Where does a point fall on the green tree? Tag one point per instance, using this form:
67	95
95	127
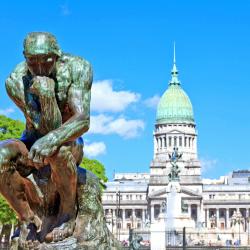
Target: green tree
9	128
96	168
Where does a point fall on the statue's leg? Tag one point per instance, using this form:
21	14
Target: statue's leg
18	190
64	177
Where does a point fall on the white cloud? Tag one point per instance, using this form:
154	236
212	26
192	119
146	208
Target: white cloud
152	102
106	99
207	164
105	125
94	149
6	111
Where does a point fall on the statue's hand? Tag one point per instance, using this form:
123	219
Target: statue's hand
42	149
42	85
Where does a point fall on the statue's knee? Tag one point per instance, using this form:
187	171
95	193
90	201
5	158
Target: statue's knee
4	153
9	152
5	164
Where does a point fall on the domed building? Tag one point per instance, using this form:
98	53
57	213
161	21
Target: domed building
175	131
173	194
175	128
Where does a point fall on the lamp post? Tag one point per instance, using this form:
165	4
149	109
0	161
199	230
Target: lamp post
118	205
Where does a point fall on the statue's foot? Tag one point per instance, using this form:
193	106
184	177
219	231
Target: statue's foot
62	232
28	237
29	244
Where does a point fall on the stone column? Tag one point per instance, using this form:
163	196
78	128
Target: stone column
217	217
143	217
198	212
206	219
189	210
155	145
152	213
227	226
123	219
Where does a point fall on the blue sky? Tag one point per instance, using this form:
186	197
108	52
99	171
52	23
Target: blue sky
130	45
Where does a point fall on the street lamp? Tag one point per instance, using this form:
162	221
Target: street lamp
118	205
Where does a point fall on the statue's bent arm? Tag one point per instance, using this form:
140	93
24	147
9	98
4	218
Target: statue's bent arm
14	86
79	104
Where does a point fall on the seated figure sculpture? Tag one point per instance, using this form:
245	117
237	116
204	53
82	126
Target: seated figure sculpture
38	172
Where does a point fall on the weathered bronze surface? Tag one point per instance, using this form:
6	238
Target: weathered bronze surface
175	170
39	174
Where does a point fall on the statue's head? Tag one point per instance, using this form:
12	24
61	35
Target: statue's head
41	52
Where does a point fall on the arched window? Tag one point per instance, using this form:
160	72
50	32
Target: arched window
170	141
165	143
185	141
189	141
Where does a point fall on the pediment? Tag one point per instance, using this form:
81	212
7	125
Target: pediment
189	192
158	193
175	131
163	192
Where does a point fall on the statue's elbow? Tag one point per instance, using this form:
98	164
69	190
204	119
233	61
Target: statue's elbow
84	123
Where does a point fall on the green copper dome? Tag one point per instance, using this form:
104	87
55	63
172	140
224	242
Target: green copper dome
175	105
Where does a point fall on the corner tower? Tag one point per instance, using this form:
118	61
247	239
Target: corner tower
175	128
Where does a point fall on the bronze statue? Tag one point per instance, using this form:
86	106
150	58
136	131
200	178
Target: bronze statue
174	158
39	171
134	240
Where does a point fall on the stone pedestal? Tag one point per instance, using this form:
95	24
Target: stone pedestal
158	233
175	219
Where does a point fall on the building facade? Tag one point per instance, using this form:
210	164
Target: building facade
214	207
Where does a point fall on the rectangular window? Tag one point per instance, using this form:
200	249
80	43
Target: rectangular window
156	210
138	213
169	141
180	141
175	141
185	142
128	213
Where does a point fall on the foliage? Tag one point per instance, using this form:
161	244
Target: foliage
9	128
96	168
7	215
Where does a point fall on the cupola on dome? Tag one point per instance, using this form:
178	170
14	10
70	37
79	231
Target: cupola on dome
175	105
